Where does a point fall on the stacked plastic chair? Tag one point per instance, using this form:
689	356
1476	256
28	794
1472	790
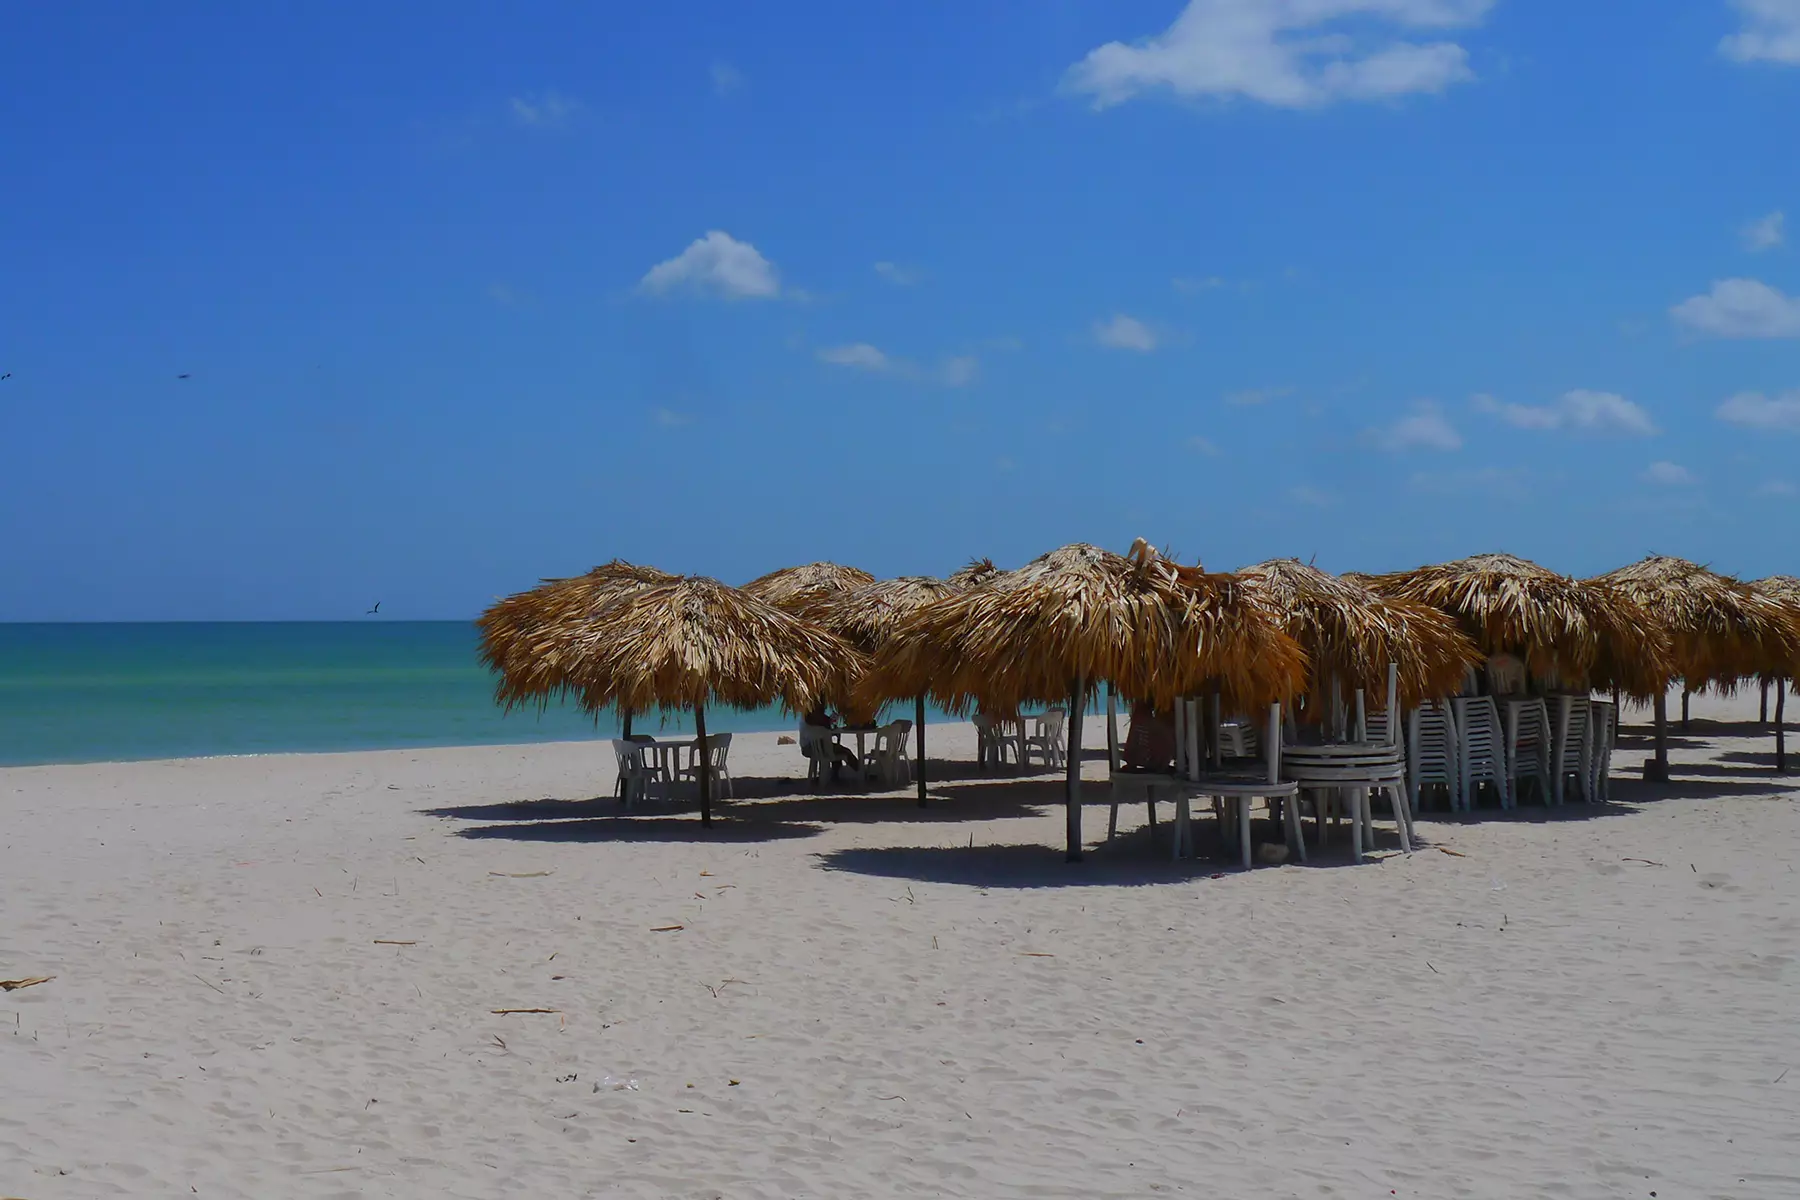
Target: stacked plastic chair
1431	751
1603	727
1528	742
1569	754
1480	749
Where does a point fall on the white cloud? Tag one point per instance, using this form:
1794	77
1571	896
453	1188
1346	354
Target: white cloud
543	112
1200	445
1771	32
857	354
1125	333
670	418
896	274
1741	308
716	263
960	370
1757	411
1425	428
1668	474
1580	410
1778	488
1249	396
1289	53
1765	233
1312	497
726	78
1191	284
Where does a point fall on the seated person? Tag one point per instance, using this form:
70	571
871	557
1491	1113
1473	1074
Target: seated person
1150	741
815	730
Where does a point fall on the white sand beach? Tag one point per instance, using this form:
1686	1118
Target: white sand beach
278	977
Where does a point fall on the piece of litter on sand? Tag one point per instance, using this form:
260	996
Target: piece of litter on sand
1452	853
1034	954
391	942
13	985
521	874
1648	862
501	1012
666	928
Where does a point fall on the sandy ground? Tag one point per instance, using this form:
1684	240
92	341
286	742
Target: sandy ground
277	977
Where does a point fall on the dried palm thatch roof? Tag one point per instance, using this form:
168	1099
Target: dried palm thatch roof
1785	591
1354	633
514	631
685	643
979	570
795	585
1562	628
1079	615
1720	630
867	616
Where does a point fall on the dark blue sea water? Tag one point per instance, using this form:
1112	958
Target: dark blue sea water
101	693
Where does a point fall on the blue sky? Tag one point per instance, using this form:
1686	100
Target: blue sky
474	293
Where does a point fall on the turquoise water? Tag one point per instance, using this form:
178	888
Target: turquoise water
108	693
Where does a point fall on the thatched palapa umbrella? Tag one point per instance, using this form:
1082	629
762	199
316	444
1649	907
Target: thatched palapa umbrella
791	587
684	644
519	633
1784	590
1353	633
867	617
1053	629
1720	630
1574	631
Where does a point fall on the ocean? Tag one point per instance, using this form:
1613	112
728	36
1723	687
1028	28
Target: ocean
111	693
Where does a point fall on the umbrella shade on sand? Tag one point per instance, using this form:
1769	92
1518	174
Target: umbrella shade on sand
1785	591
519	633
1720	630
867	617
1353	633
1075	617
685	644
793	587
1564	629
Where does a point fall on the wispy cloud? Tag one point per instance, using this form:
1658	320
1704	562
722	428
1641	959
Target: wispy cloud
1200	445
1754	410
726	79
1779	489
1741	308
1292	55
718	264
1580	411
506	295
857	354
898	275
1770	32
1425	428
670	418
1251	396
957	371
1668	474
1125	333
1765	233
1193	285
548	110
1312	497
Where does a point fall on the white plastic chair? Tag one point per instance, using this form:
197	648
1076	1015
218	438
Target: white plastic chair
1431	751
1569	756
992	741
1527	725
888	761
718	752
1603	726
1480	749
1047	742
635	775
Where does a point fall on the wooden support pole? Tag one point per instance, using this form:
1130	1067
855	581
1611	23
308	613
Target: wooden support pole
1072	772
1685	694
705	764
1781	725
1657	768
919	757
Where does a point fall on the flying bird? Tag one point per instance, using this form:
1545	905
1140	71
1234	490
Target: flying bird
184	377
8	375
374	610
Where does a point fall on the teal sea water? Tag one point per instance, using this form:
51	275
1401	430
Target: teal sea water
106	693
